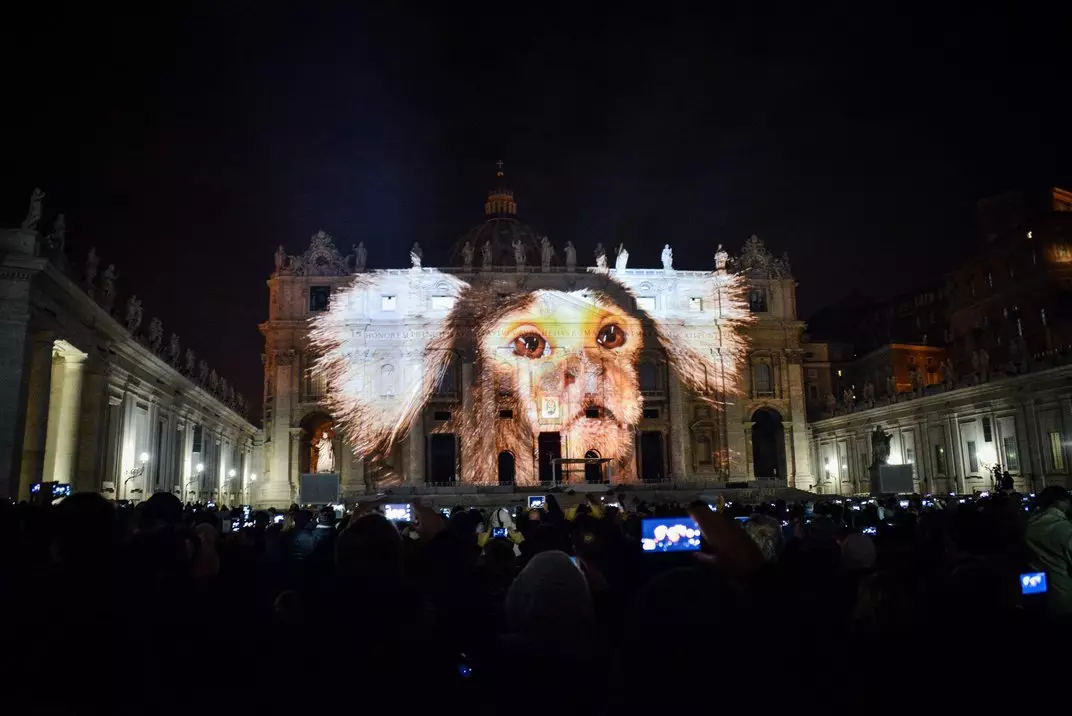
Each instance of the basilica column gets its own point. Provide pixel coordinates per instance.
(36, 424)
(678, 432)
(790, 476)
(65, 401)
(749, 466)
(415, 462)
(294, 466)
(275, 488)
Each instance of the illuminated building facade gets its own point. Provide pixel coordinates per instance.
(94, 397)
(416, 376)
(996, 392)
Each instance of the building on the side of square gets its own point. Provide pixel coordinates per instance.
(954, 438)
(759, 435)
(972, 375)
(95, 397)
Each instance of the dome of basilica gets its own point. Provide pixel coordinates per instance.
(501, 228)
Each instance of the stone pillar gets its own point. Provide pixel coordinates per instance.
(65, 403)
(276, 488)
(678, 427)
(112, 446)
(92, 422)
(39, 387)
(790, 475)
(415, 462)
(955, 468)
(294, 465)
(749, 466)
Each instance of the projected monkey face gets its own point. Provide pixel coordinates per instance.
(571, 361)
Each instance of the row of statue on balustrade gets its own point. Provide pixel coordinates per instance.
(1020, 362)
(285, 263)
(103, 292)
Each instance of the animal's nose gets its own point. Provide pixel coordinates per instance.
(569, 378)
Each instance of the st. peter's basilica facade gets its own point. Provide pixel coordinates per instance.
(516, 365)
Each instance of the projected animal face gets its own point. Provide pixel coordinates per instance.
(570, 360)
(538, 362)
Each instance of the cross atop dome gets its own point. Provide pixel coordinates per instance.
(500, 200)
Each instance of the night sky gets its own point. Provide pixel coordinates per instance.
(186, 144)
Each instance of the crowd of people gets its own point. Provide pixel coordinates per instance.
(165, 607)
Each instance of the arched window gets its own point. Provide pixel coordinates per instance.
(506, 468)
(762, 379)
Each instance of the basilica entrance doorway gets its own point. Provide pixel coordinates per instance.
(768, 444)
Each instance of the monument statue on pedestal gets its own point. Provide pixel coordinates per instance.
(601, 258)
(485, 256)
(33, 214)
(546, 253)
(622, 258)
(89, 280)
(667, 257)
(571, 257)
(467, 256)
(174, 352)
(519, 254)
(325, 454)
(108, 288)
(156, 334)
(360, 257)
(722, 258)
(880, 446)
(57, 239)
(134, 314)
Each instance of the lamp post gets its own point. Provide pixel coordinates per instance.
(136, 472)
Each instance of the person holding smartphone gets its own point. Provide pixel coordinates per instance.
(501, 526)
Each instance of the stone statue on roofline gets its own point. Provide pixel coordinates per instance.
(571, 257)
(467, 255)
(33, 214)
(667, 257)
(360, 257)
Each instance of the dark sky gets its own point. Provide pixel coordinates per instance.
(187, 143)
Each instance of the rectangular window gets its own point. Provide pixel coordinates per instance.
(319, 296)
(441, 415)
(757, 301)
(1012, 457)
(939, 459)
(593, 413)
(988, 431)
(506, 414)
(1057, 455)
(973, 458)
(651, 413)
(645, 303)
(387, 303)
(696, 304)
(198, 438)
(442, 303)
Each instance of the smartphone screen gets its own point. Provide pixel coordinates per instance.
(669, 534)
(1033, 583)
(742, 520)
(445, 511)
(398, 513)
(537, 502)
(498, 532)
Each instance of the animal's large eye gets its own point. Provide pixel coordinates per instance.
(611, 336)
(530, 345)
